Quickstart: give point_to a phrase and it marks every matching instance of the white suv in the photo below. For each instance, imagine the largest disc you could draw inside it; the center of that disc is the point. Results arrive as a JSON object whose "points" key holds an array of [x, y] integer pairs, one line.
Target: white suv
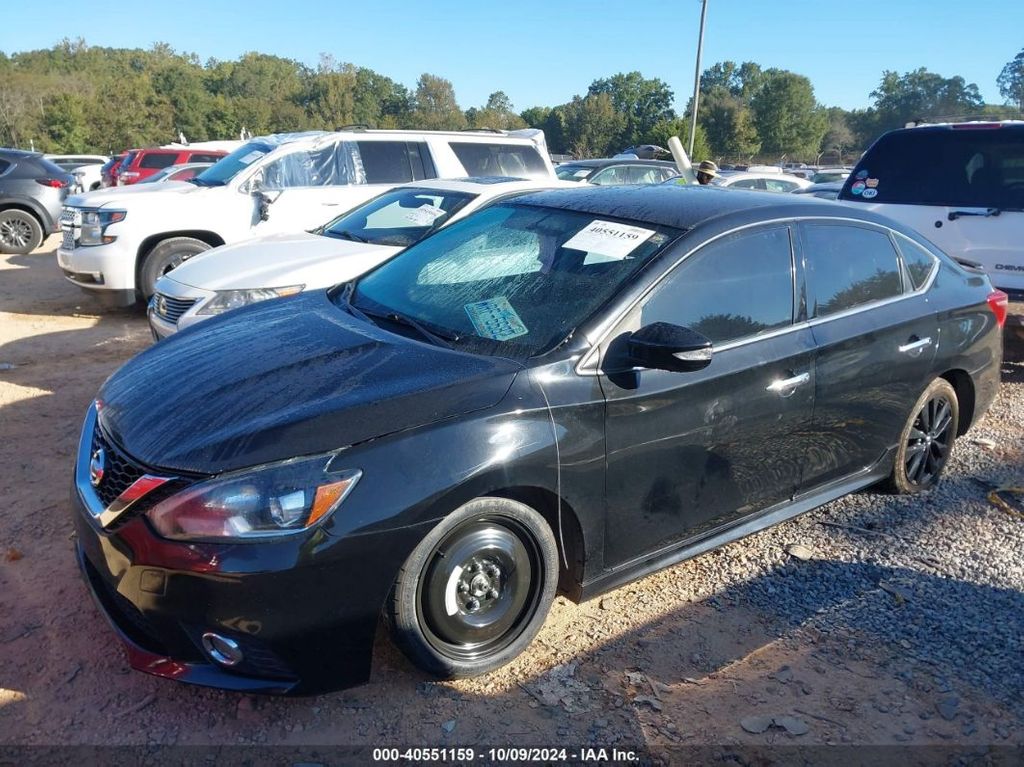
{"points": [[118, 242], [961, 185]]}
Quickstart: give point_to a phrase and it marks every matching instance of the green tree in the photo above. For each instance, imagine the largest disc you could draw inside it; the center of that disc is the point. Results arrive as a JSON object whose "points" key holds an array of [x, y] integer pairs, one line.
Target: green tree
{"points": [[642, 103], [593, 127], [729, 125], [920, 95], [436, 107], [64, 124], [1011, 81], [839, 137], [787, 118], [497, 113]]}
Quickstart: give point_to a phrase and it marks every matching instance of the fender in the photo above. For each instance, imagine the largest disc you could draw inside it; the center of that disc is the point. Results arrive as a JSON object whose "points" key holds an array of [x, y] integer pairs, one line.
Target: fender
{"points": [[48, 224]]}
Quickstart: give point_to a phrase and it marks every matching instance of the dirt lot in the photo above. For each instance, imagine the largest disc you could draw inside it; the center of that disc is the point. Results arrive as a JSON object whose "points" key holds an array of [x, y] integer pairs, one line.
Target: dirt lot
{"points": [[900, 622]]}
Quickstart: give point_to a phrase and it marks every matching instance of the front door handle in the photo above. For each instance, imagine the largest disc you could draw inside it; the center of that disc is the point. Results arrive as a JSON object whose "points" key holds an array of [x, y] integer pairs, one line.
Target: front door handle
{"points": [[914, 348], [785, 387]]}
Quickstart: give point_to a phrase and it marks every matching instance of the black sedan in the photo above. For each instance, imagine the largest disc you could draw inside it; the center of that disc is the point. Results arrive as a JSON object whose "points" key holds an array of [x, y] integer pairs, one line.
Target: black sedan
{"points": [[562, 392]]}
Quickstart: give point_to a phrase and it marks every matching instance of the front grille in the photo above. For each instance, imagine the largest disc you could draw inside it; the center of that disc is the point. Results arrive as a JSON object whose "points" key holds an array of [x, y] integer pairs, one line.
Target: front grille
{"points": [[120, 472], [169, 308], [70, 222]]}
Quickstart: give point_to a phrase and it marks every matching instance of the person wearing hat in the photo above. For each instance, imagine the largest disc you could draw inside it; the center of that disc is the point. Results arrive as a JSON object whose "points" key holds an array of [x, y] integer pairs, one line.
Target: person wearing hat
{"points": [[706, 171]]}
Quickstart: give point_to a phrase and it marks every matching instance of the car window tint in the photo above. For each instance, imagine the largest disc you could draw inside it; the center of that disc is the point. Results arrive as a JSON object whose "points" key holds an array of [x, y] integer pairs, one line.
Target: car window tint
{"points": [[848, 266], [735, 287], [4, 165], [205, 157], [608, 177], [499, 159], [955, 168], [385, 162], [748, 183], [919, 262], [157, 160]]}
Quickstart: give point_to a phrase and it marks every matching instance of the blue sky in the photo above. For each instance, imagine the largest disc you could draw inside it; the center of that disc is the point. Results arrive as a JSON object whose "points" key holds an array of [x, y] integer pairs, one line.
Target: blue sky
{"points": [[542, 53]]}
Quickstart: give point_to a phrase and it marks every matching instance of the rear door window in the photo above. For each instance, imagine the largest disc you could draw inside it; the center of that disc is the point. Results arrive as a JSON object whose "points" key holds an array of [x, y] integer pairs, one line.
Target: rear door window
{"points": [[157, 160], [965, 167], [732, 288], [482, 159], [848, 266], [196, 157], [386, 162]]}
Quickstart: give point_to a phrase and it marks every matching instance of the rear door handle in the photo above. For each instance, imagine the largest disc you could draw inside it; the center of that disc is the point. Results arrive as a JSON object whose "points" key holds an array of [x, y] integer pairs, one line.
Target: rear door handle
{"points": [[784, 387], [914, 348]]}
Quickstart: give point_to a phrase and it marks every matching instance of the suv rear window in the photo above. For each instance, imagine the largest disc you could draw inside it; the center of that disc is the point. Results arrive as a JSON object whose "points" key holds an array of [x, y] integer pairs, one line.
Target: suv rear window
{"points": [[967, 167], [157, 159], [499, 159]]}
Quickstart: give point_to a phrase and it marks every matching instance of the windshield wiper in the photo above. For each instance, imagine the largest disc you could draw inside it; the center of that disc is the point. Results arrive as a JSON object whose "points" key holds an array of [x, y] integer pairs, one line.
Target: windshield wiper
{"points": [[986, 213], [345, 234], [438, 339]]}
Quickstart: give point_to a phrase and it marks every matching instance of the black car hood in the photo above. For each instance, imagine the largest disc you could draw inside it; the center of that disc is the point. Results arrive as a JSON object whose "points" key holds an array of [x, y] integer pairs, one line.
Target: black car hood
{"points": [[283, 378]]}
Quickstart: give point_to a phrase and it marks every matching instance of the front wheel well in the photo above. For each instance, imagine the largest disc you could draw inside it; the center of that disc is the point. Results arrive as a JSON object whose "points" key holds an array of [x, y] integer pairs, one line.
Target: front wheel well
{"points": [[210, 238], [568, 535], [962, 384], [26, 209]]}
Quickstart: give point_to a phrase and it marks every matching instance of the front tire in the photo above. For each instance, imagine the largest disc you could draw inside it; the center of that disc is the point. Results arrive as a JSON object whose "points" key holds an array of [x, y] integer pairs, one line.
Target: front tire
{"points": [[475, 592], [167, 255], [20, 232], [927, 439]]}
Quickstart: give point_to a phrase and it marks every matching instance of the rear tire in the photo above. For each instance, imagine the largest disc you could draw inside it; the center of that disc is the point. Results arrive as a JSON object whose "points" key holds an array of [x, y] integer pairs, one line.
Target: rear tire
{"points": [[20, 232], [167, 255], [926, 441], [475, 592]]}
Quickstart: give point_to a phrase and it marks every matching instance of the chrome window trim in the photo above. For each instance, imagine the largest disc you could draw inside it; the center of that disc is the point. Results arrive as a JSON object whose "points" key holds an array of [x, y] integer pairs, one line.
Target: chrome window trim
{"points": [[587, 366]]}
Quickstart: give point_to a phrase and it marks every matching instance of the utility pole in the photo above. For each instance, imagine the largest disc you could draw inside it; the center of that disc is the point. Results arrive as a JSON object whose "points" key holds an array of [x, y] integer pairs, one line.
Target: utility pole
{"points": [[696, 76]]}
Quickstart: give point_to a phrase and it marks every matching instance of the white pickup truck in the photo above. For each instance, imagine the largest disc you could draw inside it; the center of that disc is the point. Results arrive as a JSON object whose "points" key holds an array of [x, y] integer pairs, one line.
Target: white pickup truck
{"points": [[118, 242]]}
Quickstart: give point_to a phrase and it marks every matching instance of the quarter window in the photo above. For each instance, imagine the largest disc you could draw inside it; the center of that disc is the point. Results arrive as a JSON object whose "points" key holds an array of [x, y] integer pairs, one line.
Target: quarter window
{"points": [[919, 262], [733, 288], [848, 266]]}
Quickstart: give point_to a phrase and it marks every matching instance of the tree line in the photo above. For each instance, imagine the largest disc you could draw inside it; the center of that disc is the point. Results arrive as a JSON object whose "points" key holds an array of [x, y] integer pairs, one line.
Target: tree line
{"points": [[75, 98]]}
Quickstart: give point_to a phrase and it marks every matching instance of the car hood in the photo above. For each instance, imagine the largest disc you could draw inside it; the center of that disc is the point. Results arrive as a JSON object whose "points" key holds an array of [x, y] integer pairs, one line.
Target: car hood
{"points": [[296, 376], [121, 195], [281, 260]]}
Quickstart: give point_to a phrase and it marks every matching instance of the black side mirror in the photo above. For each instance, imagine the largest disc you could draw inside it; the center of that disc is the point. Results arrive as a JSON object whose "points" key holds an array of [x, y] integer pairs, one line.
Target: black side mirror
{"points": [[663, 346], [263, 205]]}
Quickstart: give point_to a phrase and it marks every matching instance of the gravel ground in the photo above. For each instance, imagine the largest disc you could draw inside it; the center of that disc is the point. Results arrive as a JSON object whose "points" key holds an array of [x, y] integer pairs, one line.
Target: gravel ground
{"points": [[873, 620]]}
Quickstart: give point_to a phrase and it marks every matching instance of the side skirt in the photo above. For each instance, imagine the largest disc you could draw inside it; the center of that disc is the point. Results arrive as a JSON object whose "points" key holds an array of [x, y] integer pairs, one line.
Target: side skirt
{"points": [[760, 520]]}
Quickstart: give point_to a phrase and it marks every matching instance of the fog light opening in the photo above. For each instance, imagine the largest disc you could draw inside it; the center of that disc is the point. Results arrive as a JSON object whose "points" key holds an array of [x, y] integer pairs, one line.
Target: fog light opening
{"points": [[224, 651]]}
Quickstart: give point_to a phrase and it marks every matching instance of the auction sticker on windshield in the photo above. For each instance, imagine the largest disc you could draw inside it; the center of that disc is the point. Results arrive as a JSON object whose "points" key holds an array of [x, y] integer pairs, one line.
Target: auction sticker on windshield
{"points": [[495, 318], [424, 215], [608, 240]]}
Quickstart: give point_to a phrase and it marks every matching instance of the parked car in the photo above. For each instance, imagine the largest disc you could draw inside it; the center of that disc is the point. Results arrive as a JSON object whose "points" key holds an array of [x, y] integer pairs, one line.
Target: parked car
{"points": [[86, 168], [614, 171], [32, 191], [117, 244], [560, 392], [140, 164], [828, 190], [824, 175], [963, 185], [284, 264], [108, 172], [764, 182], [177, 173]]}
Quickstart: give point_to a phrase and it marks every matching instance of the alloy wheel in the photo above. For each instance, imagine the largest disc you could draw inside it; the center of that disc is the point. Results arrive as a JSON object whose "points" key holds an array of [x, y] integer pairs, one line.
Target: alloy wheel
{"points": [[15, 233], [929, 441]]}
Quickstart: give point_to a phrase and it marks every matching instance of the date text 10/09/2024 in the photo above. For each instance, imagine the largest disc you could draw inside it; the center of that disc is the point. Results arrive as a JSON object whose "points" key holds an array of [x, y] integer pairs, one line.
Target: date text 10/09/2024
{"points": [[504, 754]]}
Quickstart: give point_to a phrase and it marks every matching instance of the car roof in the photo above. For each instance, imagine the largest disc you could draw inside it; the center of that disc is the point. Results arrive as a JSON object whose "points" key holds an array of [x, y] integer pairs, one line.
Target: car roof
{"points": [[739, 175], [19, 153], [606, 161], [966, 125], [490, 185], [684, 207]]}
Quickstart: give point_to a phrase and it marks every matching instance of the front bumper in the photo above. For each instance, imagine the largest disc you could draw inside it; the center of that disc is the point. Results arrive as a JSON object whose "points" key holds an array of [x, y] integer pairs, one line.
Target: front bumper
{"points": [[179, 309], [104, 271]]}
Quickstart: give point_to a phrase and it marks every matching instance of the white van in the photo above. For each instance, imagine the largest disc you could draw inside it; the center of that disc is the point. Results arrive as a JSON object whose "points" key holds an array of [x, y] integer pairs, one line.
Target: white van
{"points": [[118, 242], [961, 185]]}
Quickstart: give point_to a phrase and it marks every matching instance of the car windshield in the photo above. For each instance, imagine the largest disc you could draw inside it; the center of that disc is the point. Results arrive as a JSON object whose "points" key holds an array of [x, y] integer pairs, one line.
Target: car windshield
{"points": [[400, 217], [511, 280], [228, 167], [573, 172]]}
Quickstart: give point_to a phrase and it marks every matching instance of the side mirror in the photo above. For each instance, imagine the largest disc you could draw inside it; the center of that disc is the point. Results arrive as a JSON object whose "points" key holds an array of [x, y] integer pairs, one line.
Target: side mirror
{"points": [[663, 346], [263, 205]]}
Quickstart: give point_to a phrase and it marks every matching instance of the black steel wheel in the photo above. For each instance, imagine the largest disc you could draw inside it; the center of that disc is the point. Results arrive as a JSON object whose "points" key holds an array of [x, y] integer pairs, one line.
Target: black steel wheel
{"points": [[476, 590], [927, 439], [20, 232]]}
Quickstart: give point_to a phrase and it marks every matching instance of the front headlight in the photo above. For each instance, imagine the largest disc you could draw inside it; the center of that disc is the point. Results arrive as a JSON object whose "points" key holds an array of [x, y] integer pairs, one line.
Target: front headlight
{"points": [[94, 225], [226, 300], [270, 500]]}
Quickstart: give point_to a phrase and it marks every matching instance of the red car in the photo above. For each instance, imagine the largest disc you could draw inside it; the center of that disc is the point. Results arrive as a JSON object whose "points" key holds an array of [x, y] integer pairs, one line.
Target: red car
{"points": [[142, 163]]}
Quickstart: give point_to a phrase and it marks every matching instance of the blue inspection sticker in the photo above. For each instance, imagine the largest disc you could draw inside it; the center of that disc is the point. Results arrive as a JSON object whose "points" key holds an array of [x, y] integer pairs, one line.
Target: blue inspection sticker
{"points": [[495, 318], [862, 174]]}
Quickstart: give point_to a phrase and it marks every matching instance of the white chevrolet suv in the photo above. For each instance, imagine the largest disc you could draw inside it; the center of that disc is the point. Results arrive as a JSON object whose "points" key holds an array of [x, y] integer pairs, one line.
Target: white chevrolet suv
{"points": [[961, 185], [118, 242]]}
